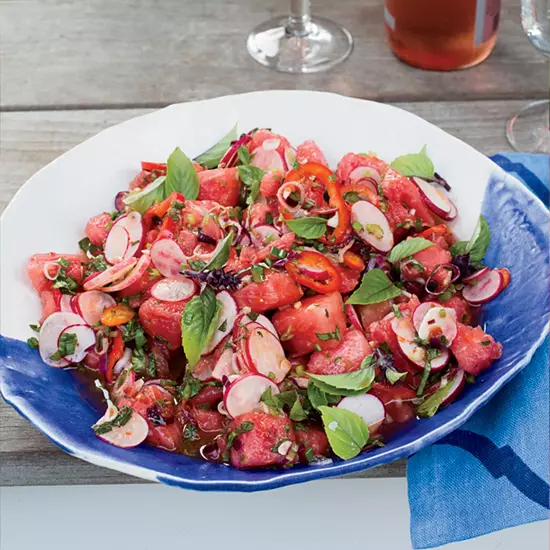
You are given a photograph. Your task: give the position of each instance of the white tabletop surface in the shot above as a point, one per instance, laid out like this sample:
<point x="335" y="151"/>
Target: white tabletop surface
<point x="371" y="514"/>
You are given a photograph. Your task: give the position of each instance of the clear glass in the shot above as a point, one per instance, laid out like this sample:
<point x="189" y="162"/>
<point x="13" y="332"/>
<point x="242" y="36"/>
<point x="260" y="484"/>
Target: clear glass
<point x="528" y="130"/>
<point x="299" y="42"/>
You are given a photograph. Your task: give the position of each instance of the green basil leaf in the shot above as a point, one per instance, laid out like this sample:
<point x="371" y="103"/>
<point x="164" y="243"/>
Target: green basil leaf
<point x="407" y="248"/>
<point x="346" y="431"/>
<point x="198" y="324"/>
<point x="431" y="405"/>
<point x="297" y="412"/>
<point x="361" y="379"/>
<point x="316" y="397"/>
<point x="459" y="248"/>
<point x="181" y="176"/>
<point x="479" y="243"/>
<point x="243" y="154"/>
<point x="308" y="228"/>
<point x="251" y="176"/>
<point x="331" y="391"/>
<point x="211" y="158"/>
<point x="415" y="164"/>
<point x="393" y="376"/>
<point x="220" y="254"/>
<point x="146" y="197"/>
<point x="375" y="287"/>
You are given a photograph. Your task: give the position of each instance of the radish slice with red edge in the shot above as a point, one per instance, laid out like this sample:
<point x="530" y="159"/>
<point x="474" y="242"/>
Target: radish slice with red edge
<point x="66" y="303"/>
<point x="271" y="144"/>
<point x="50" y="331"/>
<point x="265" y="353"/>
<point x="284" y="193"/>
<point x="438" y="322"/>
<point x="168" y="258"/>
<point x="116" y="244"/>
<point x="226" y="320"/>
<point x="262" y="235"/>
<point x="92" y="304"/>
<point x="417" y="355"/>
<point x="267" y="160"/>
<point x="225" y="366"/>
<point x="123" y="362"/>
<point x="368" y="407"/>
<point x="114" y="273"/>
<point x="435" y="200"/>
<point x="420" y="312"/>
<point x="476" y="275"/>
<point x="174" y="290"/>
<point x="371" y="226"/>
<point x="130" y="434"/>
<point x="243" y="319"/>
<point x="364" y="172"/>
<point x="484" y="288"/>
<point x="244" y="394"/>
<point x="135" y="275"/>
<point x="353" y="318"/>
<point x="85" y="340"/>
<point x="133" y="224"/>
<point x="403" y="328"/>
<point x="458" y="381"/>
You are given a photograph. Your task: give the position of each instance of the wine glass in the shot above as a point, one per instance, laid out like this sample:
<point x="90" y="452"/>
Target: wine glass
<point x="528" y="130"/>
<point x="299" y="42"/>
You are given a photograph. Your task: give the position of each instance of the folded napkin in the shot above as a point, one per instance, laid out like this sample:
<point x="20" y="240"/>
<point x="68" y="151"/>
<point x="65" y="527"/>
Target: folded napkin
<point x="492" y="473"/>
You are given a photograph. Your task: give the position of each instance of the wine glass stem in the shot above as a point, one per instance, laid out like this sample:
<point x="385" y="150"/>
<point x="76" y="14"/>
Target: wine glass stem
<point x="299" y="18"/>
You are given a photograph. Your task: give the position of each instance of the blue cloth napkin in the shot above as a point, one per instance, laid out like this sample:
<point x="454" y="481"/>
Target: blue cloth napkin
<point x="492" y="473"/>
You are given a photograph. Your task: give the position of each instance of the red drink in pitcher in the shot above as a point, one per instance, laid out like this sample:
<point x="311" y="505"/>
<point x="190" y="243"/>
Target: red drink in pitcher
<point x="442" y="34"/>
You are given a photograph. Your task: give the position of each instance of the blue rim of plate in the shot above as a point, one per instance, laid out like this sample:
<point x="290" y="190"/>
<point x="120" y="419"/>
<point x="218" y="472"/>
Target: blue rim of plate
<point x="518" y="318"/>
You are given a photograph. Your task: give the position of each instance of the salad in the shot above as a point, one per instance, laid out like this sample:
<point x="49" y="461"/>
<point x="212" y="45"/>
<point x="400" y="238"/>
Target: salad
<point x="256" y="308"/>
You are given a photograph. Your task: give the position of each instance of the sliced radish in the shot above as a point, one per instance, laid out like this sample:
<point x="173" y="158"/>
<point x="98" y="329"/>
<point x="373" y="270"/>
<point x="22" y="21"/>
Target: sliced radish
<point x="475" y="276"/>
<point x="438" y="322"/>
<point x="114" y="273"/>
<point x="284" y="192"/>
<point x="436" y="201"/>
<point x="374" y="227"/>
<point x="364" y="172"/>
<point x="168" y="257"/>
<point x="92" y="304"/>
<point x="484" y="288"/>
<point x="353" y="318"/>
<point x="123" y="362"/>
<point x="333" y="220"/>
<point x="267" y="160"/>
<point x="271" y="144"/>
<point x="452" y="214"/>
<point x="85" y="339"/>
<point x="173" y="290"/>
<point x="403" y="328"/>
<point x="289" y="158"/>
<point x="417" y="354"/>
<point x="116" y="244"/>
<point x="458" y="377"/>
<point x="226" y="320"/>
<point x="368" y="407"/>
<point x="135" y="275"/>
<point x="133" y="224"/>
<point x="243" y="394"/>
<point x="265" y="353"/>
<point x="50" y="330"/>
<point x="420" y="312"/>
<point x="225" y="366"/>
<point x="262" y="235"/>
<point x="131" y="434"/>
<point x="66" y="303"/>
<point x="124" y="385"/>
<point x="243" y="319"/>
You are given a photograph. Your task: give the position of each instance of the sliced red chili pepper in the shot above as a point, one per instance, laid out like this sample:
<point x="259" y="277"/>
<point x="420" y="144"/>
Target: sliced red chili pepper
<point x="354" y="261"/>
<point x="315" y="271"/>
<point x="115" y="353"/>
<point x="153" y="167"/>
<point x="161" y="209"/>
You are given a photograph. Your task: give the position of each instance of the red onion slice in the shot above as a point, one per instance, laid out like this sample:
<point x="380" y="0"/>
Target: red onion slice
<point x="284" y="192"/>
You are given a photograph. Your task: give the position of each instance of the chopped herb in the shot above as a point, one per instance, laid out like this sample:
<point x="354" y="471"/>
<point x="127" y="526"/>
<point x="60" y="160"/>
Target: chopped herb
<point x="132" y="331"/>
<point x="384" y="347"/>
<point x="352" y="197"/>
<point x="96" y="265"/>
<point x="66" y="284"/>
<point x="242" y="428"/>
<point x="252" y="315"/>
<point x="32" y="342"/>
<point x="121" y="419"/>
<point x="196" y="265"/>
<point x="87" y="246"/>
<point x="394" y="376"/>
<point x="223" y="326"/>
<point x="326" y="313"/>
<point x="151" y="365"/>
<point x="418" y="224"/>
<point x="295" y="164"/>
<point x="162" y="340"/>
<point x="486" y="343"/>
<point x="36" y="328"/>
<point x="269" y="218"/>
<point x="190" y="432"/>
<point x="308" y="453"/>
<point x="432" y="403"/>
<point x="374" y="229"/>
<point x="258" y="274"/>
<point x="286" y="335"/>
<point x="243" y="154"/>
<point x="397" y="311"/>
<point x="329" y="335"/>
<point x="431" y="354"/>
<point x="139" y="360"/>
<point x="190" y="387"/>
<point x="66" y="346"/>
<point x="317" y="347"/>
<point x="357" y="226"/>
<point x="278" y="253"/>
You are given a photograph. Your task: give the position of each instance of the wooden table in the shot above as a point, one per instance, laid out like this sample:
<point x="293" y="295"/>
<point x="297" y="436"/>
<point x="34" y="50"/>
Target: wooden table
<point x="71" y="69"/>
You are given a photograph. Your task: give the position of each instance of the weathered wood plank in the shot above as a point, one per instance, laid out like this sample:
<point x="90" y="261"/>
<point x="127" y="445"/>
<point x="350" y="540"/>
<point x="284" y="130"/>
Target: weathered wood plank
<point x="148" y="53"/>
<point x="28" y="141"/>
